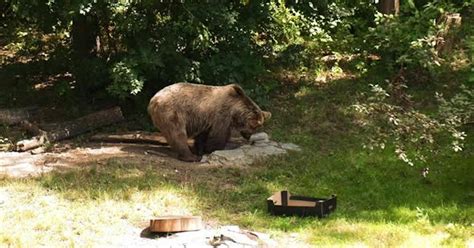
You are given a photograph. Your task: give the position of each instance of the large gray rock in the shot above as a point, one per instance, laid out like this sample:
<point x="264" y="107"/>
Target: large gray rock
<point x="260" y="147"/>
<point x="225" y="157"/>
<point x="225" y="236"/>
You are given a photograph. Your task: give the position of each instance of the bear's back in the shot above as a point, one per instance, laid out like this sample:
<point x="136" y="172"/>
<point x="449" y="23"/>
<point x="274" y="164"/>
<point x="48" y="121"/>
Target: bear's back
<point x="187" y="92"/>
<point x="190" y="97"/>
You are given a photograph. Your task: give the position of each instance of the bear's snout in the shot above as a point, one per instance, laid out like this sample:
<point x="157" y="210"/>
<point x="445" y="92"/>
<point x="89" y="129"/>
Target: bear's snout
<point x="266" y="115"/>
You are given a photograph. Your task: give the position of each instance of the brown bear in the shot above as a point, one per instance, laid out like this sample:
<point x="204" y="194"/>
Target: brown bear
<point x="205" y="113"/>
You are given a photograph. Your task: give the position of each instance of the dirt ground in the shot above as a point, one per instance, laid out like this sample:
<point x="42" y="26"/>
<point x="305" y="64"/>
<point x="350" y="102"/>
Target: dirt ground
<point x="66" y="155"/>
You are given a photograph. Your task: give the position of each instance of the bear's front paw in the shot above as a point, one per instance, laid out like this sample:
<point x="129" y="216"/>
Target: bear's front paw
<point x="189" y="158"/>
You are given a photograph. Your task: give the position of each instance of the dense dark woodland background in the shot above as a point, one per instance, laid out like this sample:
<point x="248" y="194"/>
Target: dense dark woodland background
<point x="79" y="56"/>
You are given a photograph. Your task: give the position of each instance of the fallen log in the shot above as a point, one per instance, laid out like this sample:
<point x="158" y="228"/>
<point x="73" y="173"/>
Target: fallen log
<point x="73" y="128"/>
<point x="28" y="144"/>
<point x="16" y="115"/>
<point x="151" y="138"/>
<point x="137" y="137"/>
<point x="31" y="128"/>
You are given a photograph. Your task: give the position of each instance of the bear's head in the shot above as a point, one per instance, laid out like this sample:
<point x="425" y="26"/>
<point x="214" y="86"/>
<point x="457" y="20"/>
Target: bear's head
<point x="249" y="117"/>
<point x="253" y="123"/>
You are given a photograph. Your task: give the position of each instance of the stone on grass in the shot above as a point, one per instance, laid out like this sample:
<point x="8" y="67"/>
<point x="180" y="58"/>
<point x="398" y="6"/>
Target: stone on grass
<point x="225" y="236"/>
<point x="223" y="157"/>
<point x="260" y="147"/>
<point x="259" y="137"/>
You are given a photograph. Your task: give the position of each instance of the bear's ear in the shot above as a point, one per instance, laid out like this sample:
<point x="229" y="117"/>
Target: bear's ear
<point x="266" y="115"/>
<point x="238" y="89"/>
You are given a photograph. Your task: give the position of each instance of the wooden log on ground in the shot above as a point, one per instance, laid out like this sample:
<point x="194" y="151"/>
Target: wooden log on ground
<point x="137" y="137"/>
<point x="73" y="128"/>
<point x="15" y="116"/>
<point x="28" y="144"/>
<point x="175" y="224"/>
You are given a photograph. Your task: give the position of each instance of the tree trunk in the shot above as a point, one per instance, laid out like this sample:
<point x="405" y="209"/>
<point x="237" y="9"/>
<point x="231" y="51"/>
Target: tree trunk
<point x="89" y="70"/>
<point x="85" y="32"/>
<point x="447" y="37"/>
<point x="389" y="6"/>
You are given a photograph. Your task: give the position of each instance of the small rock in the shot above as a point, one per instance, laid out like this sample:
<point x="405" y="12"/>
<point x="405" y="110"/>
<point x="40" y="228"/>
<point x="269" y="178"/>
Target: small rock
<point x="259" y="137"/>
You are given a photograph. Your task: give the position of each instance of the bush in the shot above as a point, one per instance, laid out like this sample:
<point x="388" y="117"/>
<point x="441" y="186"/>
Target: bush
<point x="415" y="135"/>
<point x="411" y="40"/>
<point x="125" y="80"/>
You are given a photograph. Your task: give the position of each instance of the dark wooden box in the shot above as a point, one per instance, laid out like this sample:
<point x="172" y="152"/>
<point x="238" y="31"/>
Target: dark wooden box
<point x="282" y="203"/>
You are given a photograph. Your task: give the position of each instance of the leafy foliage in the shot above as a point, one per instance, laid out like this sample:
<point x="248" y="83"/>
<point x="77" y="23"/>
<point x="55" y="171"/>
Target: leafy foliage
<point x="388" y="115"/>
<point x="124" y="80"/>
<point x="412" y="131"/>
<point x="412" y="39"/>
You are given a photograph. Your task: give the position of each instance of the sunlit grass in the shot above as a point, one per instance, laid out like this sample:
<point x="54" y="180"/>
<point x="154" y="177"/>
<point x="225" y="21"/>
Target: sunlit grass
<point x="85" y="208"/>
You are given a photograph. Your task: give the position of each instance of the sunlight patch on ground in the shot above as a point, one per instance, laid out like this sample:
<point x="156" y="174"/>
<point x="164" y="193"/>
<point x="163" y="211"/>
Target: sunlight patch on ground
<point x="432" y="240"/>
<point x="65" y="79"/>
<point x="357" y="233"/>
<point x="32" y="216"/>
<point x="21" y="164"/>
<point x="341" y="231"/>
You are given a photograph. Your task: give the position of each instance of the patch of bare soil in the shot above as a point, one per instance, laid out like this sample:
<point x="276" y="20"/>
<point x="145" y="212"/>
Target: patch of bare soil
<point x="66" y="156"/>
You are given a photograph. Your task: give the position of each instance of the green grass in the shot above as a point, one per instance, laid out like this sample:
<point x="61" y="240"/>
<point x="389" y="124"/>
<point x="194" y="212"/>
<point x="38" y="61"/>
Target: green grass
<point x="382" y="202"/>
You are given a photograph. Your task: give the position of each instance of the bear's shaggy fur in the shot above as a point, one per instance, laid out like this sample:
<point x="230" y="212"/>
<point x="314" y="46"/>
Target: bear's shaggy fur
<point x="205" y="113"/>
